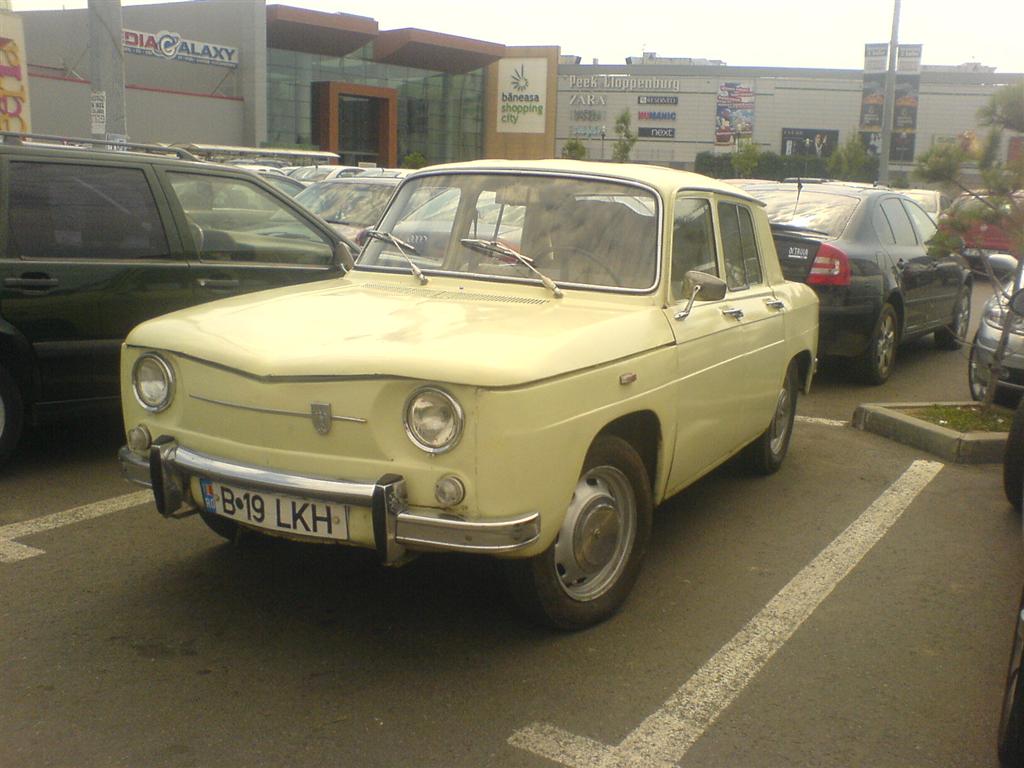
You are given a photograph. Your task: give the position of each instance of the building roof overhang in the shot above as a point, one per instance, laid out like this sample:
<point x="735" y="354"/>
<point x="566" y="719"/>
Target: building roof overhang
<point x="329" y="34"/>
<point x="435" y="51"/>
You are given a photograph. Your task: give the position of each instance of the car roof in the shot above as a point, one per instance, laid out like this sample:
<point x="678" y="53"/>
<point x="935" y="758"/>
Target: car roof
<point x="665" y="179"/>
<point x="851" y="189"/>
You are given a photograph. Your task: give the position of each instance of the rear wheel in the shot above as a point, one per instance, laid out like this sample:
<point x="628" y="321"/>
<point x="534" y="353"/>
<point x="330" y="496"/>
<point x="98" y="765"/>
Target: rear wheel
<point x="12" y="415"/>
<point x="878" y="359"/>
<point x="765" y="455"/>
<point x="586" y="574"/>
<point x="953" y="335"/>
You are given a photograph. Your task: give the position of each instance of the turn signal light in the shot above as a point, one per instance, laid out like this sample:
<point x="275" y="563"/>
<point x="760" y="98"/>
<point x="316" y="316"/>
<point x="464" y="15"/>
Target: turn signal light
<point x="831" y="267"/>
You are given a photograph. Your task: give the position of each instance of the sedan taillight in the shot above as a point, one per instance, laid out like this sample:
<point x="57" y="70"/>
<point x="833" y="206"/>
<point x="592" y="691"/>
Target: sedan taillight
<point x="831" y="266"/>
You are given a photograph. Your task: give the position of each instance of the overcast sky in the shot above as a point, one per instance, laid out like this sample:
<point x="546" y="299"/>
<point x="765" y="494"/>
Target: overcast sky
<point x="824" y="33"/>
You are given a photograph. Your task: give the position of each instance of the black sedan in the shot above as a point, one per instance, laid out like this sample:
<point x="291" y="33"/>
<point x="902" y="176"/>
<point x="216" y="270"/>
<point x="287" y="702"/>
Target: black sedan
<point x="863" y="250"/>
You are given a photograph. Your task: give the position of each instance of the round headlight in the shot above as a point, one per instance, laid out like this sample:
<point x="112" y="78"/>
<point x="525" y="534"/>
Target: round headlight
<point x="153" y="382"/>
<point x="433" y="420"/>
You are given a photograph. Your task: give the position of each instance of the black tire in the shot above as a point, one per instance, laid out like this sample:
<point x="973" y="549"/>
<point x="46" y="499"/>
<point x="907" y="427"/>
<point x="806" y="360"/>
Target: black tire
<point x="559" y="588"/>
<point x="12" y="415"/>
<point x="766" y="454"/>
<point x="1013" y="460"/>
<point x="977" y="377"/>
<point x="952" y="336"/>
<point x="220" y="525"/>
<point x="876" y="364"/>
<point x="1010" y="738"/>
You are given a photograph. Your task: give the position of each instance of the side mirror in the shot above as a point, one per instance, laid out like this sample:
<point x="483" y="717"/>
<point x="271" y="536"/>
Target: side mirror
<point x="700" y="286"/>
<point x="1017" y="303"/>
<point x="343" y="257"/>
<point x="1003" y="266"/>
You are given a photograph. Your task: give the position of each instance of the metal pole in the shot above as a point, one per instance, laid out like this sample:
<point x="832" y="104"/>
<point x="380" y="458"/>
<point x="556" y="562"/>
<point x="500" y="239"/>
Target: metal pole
<point x="106" y="70"/>
<point x="890" y="97"/>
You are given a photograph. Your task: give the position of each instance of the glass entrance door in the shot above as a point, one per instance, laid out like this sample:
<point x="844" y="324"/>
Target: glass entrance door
<point x="358" y="129"/>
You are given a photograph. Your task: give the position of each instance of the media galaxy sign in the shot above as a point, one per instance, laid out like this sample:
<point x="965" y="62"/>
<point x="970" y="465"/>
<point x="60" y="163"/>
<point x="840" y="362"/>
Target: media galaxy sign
<point x="522" y="95"/>
<point x="173" y="47"/>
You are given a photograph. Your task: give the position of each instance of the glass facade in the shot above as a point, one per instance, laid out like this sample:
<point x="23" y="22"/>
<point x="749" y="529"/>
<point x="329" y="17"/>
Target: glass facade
<point x="440" y="115"/>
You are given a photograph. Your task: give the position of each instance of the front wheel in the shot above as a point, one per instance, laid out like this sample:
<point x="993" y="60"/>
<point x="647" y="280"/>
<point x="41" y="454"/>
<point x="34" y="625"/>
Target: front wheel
<point x="587" y="573"/>
<point x="878" y="359"/>
<point x="765" y="455"/>
<point x="953" y="335"/>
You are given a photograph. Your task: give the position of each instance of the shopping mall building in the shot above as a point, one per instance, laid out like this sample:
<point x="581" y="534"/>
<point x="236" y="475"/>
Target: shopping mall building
<point x="247" y="73"/>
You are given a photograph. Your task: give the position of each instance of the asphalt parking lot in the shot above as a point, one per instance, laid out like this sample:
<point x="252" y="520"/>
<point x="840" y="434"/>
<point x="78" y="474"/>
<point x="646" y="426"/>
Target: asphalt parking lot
<point x="853" y="609"/>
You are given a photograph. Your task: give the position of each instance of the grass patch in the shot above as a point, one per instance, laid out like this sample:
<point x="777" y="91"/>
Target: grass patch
<point x="966" y="418"/>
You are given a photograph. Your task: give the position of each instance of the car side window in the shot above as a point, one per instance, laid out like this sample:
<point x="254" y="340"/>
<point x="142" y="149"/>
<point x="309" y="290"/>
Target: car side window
<point x="693" y="242"/>
<point x="739" y="246"/>
<point x="899" y="221"/>
<point x="922" y="221"/>
<point x="882" y="227"/>
<point x="236" y="220"/>
<point x="68" y="211"/>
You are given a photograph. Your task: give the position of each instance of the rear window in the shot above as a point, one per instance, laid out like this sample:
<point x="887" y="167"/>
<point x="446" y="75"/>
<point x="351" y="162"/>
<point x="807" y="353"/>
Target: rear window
<point x="826" y="212"/>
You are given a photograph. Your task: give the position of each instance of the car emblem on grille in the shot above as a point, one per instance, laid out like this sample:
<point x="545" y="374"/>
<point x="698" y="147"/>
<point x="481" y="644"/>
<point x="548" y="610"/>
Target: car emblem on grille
<point x="321" y="417"/>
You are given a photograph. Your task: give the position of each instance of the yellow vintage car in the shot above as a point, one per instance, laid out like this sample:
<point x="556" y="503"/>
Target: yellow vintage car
<point x="526" y="359"/>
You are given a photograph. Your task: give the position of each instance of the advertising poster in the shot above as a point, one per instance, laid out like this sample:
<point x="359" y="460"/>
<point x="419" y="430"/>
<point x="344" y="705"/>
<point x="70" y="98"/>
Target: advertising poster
<point x="14" y="102"/>
<point x="820" y="142"/>
<point x="908" y="88"/>
<point x="734" y="115"/>
<point x="522" y="95"/>
<point x="873" y="94"/>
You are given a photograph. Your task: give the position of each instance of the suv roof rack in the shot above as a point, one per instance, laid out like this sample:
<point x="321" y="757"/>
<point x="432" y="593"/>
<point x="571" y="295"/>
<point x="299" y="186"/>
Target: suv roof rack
<point x="75" y="142"/>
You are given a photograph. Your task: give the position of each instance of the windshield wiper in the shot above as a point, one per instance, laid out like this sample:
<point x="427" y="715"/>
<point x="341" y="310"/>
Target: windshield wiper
<point x="401" y="245"/>
<point x="494" y="248"/>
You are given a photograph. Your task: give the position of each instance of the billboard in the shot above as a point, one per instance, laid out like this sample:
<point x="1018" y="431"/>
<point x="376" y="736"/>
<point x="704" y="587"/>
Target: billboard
<point x="734" y="113"/>
<point x="14" y="101"/>
<point x="820" y="142"/>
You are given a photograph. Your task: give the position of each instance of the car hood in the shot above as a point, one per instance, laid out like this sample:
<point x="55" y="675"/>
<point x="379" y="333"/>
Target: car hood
<point x="449" y="330"/>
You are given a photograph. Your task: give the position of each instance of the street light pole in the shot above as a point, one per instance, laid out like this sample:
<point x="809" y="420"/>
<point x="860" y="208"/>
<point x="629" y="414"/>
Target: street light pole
<point x="890" y="97"/>
<point x="602" y="141"/>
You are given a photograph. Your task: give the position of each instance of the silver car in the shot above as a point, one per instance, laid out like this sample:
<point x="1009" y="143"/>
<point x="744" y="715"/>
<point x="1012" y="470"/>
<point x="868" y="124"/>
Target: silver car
<point x="1011" y="382"/>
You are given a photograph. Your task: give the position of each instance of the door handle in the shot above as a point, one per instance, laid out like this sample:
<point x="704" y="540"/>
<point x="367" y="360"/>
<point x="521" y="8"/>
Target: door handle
<point x="217" y="285"/>
<point x="734" y="312"/>
<point x="32" y="283"/>
<point x="775" y="304"/>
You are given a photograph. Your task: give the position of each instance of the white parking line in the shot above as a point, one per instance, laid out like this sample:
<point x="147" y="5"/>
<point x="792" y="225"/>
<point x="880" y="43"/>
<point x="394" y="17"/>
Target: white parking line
<point x="666" y="736"/>
<point x="11" y="551"/>
<point x="825" y="422"/>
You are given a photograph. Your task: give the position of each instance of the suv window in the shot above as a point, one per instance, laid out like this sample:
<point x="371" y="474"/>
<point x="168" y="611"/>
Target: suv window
<point x="236" y="220"/>
<point x="742" y="264"/>
<point x="693" y="241"/>
<point x="897" y="217"/>
<point x="68" y="211"/>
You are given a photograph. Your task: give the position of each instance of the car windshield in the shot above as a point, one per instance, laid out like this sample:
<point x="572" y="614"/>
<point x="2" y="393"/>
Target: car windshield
<point x="581" y="232"/>
<point x="826" y="212"/>
<point x="355" y="204"/>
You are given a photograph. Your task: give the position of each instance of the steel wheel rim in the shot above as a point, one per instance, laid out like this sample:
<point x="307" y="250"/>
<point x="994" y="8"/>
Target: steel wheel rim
<point x="978" y="385"/>
<point x="963" y="317"/>
<point x="886" y="344"/>
<point x="598" y="533"/>
<point x="780" y="424"/>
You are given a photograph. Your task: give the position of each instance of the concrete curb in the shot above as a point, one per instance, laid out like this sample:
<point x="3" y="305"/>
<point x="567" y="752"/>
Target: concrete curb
<point x="889" y="420"/>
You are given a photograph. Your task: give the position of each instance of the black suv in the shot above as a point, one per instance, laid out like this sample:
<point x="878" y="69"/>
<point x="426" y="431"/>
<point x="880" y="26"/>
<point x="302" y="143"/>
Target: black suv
<point x="94" y="241"/>
<point x="864" y="251"/>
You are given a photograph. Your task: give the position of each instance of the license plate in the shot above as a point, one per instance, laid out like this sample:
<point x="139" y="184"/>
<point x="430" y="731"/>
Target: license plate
<point x="285" y="514"/>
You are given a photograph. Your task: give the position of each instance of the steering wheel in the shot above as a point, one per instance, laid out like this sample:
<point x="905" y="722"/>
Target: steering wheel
<point x="557" y="251"/>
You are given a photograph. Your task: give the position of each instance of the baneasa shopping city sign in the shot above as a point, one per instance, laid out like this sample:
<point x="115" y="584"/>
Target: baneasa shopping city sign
<point x="174" y="47"/>
<point x="522" y="95"/>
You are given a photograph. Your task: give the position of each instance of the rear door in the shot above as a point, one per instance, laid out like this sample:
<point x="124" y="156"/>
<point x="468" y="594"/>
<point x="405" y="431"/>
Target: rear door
<point x="243" y="237"/>
<point x="88" y="255"/>
<point x="915" y="271"/>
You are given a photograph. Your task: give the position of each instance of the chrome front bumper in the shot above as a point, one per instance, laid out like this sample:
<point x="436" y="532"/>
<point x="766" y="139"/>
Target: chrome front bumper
<point x="397" y="527"/>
